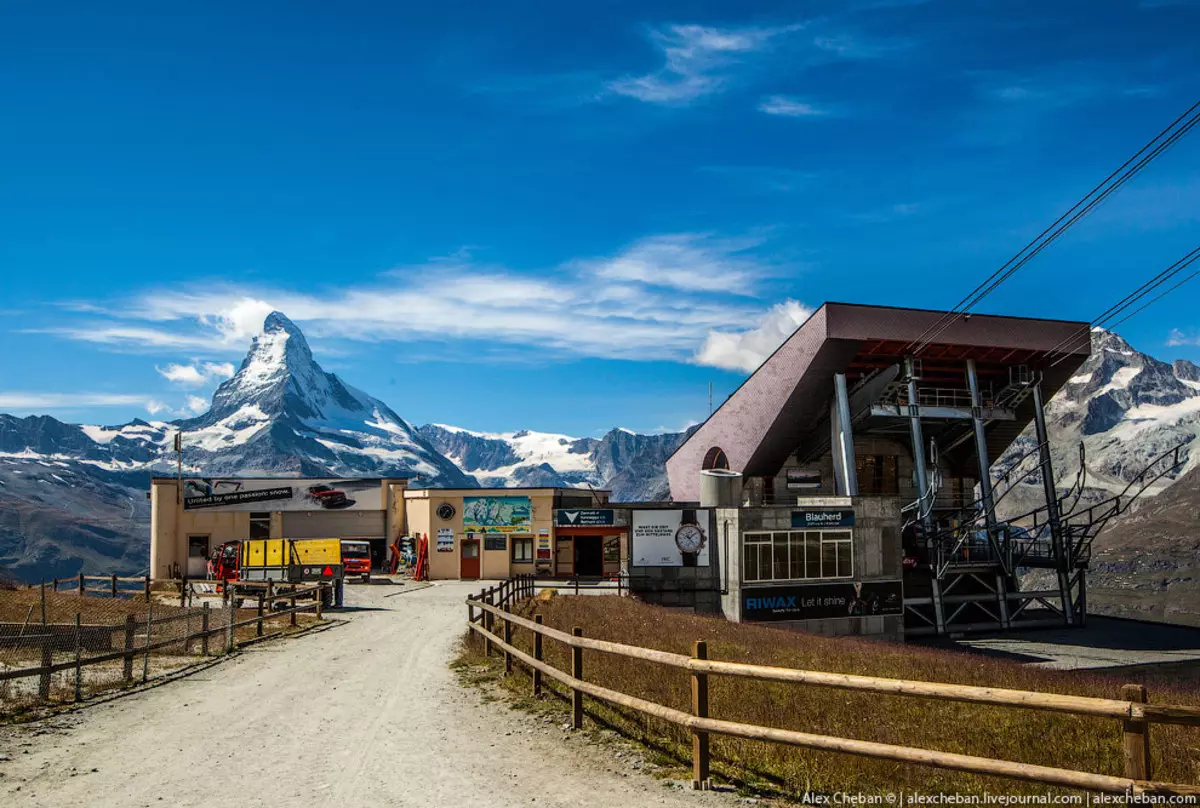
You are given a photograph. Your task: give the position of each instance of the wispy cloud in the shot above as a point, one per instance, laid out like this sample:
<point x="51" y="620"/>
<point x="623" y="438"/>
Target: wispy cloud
<point x="747" y="349"/>
<point x="197" y="374"/>
<point x="696" y="61"/>
<point x="657" y="298"/>
<point x="1180" y="337"/>
<point x="791" y="107"/>
<point x="31" y="401"/>
<point x="192" y="406"/>
<point x="688" y="261"/>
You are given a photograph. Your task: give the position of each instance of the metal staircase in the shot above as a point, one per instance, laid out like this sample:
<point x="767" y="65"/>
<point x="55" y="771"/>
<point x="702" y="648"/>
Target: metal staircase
<point x="963" y="557"/>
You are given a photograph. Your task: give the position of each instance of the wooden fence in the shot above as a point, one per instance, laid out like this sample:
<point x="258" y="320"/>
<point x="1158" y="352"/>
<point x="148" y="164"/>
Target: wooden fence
<point x="1132" y="710"/>
<point x="132" y="627"/>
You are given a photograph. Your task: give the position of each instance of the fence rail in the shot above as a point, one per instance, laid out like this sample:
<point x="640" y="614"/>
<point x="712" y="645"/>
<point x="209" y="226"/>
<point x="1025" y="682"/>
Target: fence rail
<point x="135" y="637"/>
<point x="1132" y="709"/>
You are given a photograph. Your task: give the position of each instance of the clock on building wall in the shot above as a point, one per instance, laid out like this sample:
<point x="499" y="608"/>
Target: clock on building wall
<point x="445" y="511"/>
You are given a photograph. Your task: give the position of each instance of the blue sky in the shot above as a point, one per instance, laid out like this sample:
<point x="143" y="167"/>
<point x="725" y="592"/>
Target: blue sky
<point x="560" y="216"/>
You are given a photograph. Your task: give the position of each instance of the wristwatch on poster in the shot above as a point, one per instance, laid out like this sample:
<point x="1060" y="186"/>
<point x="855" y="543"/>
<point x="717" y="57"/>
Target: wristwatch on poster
<point x="689" y="538"/>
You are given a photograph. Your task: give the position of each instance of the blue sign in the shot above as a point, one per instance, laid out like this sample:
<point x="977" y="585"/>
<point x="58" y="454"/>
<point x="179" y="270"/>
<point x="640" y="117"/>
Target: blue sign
<point x="584" y="517"/>
<point x="823" y="518"/>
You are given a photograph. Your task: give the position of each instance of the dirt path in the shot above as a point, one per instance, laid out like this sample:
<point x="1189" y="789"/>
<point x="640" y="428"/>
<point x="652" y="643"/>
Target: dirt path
<point x="364" y="714"/>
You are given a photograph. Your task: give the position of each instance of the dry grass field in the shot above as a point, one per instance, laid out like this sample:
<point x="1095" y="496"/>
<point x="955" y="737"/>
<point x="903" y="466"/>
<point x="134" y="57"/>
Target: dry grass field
<point x="1086" y="744"/>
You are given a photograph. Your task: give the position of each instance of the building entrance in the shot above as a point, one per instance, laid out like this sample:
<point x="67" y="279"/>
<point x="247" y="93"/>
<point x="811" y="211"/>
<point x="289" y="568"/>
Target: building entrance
<point x="589" y="556"/>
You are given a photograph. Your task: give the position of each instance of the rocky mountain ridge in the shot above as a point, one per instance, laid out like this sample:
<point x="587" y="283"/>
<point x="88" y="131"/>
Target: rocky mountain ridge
<point x="74" y="496"/>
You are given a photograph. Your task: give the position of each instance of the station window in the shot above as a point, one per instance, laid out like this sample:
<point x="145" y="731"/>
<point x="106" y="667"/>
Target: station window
<point x="522" y="551"/>
<point x="877" y="474"/>
<point x="260" y="526"/>
<point x="797" y="555"/>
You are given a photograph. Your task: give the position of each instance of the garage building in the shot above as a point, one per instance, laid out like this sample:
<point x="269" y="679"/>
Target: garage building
<point x="189" y="518"/>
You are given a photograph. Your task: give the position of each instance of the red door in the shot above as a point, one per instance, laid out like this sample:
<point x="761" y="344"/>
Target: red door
<point x="469" y="565"/>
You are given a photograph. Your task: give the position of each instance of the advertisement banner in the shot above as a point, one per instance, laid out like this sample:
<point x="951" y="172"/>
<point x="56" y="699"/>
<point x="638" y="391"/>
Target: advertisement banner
<point x="821" y="601"/>
<point x="497" y="514"/>
<point x="823" y="517"/>
<point x="801" y="479"/>
<point x="584" y="517"/>
<point x="445" y="540"/>
<point x="664" y="539"/>
<point x="231" y="494"/>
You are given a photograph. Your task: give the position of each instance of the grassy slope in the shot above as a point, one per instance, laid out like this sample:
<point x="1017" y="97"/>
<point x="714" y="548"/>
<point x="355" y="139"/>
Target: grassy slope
<point x="1086" y="744"/>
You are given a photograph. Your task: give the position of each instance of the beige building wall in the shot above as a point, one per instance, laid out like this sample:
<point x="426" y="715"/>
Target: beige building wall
<point x="421" y="512"/>
<point x="170" y="525"/>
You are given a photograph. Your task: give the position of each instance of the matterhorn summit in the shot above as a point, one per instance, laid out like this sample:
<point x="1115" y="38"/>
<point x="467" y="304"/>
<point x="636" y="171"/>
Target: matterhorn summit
<point x="282" y="414"/>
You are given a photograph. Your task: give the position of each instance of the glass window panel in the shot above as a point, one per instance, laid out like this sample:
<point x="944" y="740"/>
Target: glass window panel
<point x="780" y="570"/>
<point x="796" y="552"/>
<point x="828" y="559"/>
<point x="764" y="562"/>
<point x="812" y="546"/>
<point x="750" y="563"/>
<point x="845" y="562"/>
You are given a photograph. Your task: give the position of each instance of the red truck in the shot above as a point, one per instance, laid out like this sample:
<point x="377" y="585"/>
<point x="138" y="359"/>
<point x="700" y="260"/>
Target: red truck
<point x="356" y="559"/>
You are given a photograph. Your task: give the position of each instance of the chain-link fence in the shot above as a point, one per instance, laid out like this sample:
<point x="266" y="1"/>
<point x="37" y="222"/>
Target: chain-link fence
<point x="59" y="647"/>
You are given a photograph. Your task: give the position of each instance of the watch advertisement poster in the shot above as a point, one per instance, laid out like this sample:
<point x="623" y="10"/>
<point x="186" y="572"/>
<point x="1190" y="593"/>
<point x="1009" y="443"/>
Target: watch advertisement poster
<point x="662" y="538"/>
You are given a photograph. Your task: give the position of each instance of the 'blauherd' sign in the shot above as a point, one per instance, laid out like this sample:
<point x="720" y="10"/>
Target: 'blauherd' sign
<point x="823" y="518"/>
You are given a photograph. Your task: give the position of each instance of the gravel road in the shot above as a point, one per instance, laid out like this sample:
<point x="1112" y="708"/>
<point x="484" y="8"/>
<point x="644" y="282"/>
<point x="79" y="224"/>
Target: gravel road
<point x="364" y="714"/>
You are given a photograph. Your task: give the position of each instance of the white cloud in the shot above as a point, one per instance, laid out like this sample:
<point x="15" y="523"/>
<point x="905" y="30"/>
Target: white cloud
<point x="197" y="374"/>
<point x="656" y="299"/>
<point x="746" y="350"/>
<point x="192" y="406"/>
<point x="1179" y="337"/>
<point x="696" y="59"/>
<point x="790" y="107"/>
<point x="26" y="402"/>
<point x="689" y="261"/>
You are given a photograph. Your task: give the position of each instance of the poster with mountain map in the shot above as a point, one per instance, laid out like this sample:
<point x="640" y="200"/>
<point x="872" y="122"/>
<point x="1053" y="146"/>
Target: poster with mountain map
<point x="497" y="514"/>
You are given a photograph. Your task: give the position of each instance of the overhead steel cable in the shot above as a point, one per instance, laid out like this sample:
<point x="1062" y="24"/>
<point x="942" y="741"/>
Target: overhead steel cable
<point x="1129" y="169"/>
<point x="1106" y="319"/>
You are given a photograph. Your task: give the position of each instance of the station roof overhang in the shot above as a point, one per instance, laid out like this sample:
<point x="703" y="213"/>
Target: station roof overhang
<point x="783" y="406"/>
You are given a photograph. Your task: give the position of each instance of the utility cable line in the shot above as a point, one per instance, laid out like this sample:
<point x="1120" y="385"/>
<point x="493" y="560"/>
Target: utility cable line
<point x="1107" y="319"/>
<point x="1113" y="182"/>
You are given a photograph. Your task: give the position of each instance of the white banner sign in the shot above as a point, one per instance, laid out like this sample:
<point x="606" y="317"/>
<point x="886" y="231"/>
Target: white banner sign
<point x="663" y="539"/>
<point x="233" y="494"/>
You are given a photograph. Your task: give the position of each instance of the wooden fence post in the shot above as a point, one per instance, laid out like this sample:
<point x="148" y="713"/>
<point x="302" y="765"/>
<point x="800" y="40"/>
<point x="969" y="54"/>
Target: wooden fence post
<point x="81" y="585"/>
<point x="700" y="749"/>
<point x="488" y="622"/>
<point x="577" y="585"/>
<point x="204" y="629"/>
<point x="78" y="658"/>
<point x="470" y="610"/>
<point x="1136" y="741"/>
<point x="130" y="631"/>
<point x="230" y="631"/>
<point x="507" y="641"/>
<point x="258" y="627"/>
<point x="577" y="673"/>
<point x="183" y="586"/>
<point x="149" y="633"/>
<point x="47" y="661"/>
<point x="320" y="599"/>
<point x="114" y="584"/>
<point x="537" y="654"/>
<point x="292" y="608"/>
<point x="147" y="588"/>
